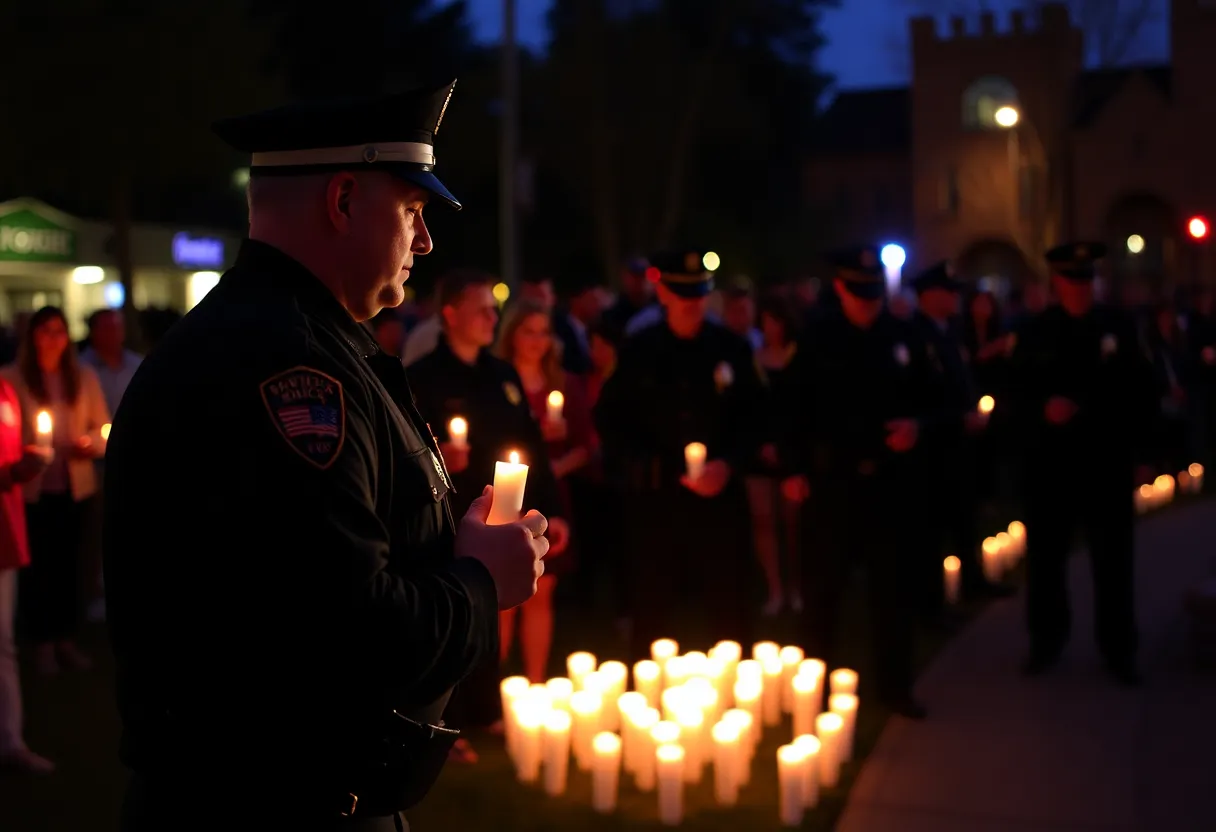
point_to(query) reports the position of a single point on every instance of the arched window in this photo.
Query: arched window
(983, 98)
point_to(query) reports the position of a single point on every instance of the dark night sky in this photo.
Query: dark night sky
(867, 39)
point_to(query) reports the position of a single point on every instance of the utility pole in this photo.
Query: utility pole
(509, 149)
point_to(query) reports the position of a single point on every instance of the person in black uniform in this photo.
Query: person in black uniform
(951, 509)
(684, 380)
(1085, 407)
(290, 602)
(460, 378)
(863, 396)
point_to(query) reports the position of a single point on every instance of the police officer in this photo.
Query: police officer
(863, 398)
(290, 602)
(1085, 408)
(679, 381)
(951, 504)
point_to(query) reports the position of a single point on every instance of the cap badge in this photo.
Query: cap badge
(443, 109)
(868, 260)
(692, 261)
(370, 154)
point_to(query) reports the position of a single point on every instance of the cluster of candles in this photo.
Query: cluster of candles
(44, 434)
(687, 714)
(1001, 553)
(1161, 491)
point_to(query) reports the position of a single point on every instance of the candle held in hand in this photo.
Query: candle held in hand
(44, 428)
(694, 459)
(458, 432)
(555, 405)
(105, 432)
(510, 478)
(986, 406)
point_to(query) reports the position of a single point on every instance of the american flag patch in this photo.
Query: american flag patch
(308, 410)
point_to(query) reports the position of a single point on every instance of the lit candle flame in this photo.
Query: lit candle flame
(43, 422)
(513, 457)
(987, 405)
(556, 400)
(105, 431)
(458, 426)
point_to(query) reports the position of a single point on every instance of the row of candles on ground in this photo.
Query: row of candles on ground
(686, 713)
(1161, 491)
(1001, 553)
(44, 434)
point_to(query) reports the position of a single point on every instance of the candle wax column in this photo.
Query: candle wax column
(560, 690)
(648, 681)
(578, 665)
(828, 727)
(670, 776)
(728, 762)
(554, 406)
(790, 762)
(458, 433)
(44, 433)
(810, 747)
(511, 689)
(531, 718)
(845, 704)
(771, 695)
(807, 694)
(585, 708)
(747, 742)
(694, 460)
(643, 764)
(951, 575)
(510, 480)
(557, 751)
(692, 724)
(790, 657)
(605, 772)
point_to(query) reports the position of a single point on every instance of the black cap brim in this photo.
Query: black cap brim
(864, 291)
(426, 180)
(691, 291)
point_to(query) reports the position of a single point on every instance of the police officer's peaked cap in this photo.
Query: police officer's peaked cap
(683, 271)
(1075, 261)
(938, 276)
(394, 133)
(860, 270)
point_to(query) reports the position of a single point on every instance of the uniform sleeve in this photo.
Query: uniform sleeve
(312, 471)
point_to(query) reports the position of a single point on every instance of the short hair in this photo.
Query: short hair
(454, 284)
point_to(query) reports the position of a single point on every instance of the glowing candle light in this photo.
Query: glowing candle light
(810, 746)
(44, 428)
(555, 403)
(845, 704)
(605, 772)
(510, 478)
(670, 767)
(790, 657)
(952, 567)
(585, 707)
(727, 762)
(843, 680)
(556, 751)
(648, 680)
(560, 691)
(458, 433)
(986, 406)
(694, 460)
(578, 665)
(790, 762)
(828, 726)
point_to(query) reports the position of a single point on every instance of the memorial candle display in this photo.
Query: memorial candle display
(555, 403)
(686, 717)
(458, 433)
(510, 478)
(694, 460)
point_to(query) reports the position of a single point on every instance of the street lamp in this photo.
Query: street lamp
(1197, 228)
(1007, 117)
(1135, 244)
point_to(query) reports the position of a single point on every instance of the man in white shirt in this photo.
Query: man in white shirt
(106, 353)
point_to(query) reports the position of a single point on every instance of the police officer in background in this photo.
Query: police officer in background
(291, 605)
(684, 380)
(1085, 409)
(863, 398)
(951, 508)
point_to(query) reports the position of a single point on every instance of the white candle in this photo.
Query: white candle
(557, 751)
(531, 718)
(578, 665)
(629, 706)
(1196, 472)
(673, 700)
(648, 680)
(616, 676)
(986, 405)
(605, 772)
(828, 727)
(845, 704)
(644, 760)
(717, 671)
(728, 761)
(675, 671)
(810, 746)
(694, 460)
(510, 478)
(702, 695)
(807, 695)
(560, 690)
(670, 775)
(458, 433)
(763, 649)
(992, 563)
(771, 705)
(843, 680)
(44, 430)
(813, 667)
(663, 649)
(748, 695)
(511, 689)
(585, 708)
(730, 652)
(748, 737)
(556, 403)
(692, 725)
(1017, 537)
(952, 577)
(750, 669)
(790, 761)
(790, 657)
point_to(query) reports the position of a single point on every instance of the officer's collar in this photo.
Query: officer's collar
(314, 297)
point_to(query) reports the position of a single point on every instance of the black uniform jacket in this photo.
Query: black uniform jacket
(278, 546)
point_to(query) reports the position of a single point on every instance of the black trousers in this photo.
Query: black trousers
(50, 586)
(682, 547)
(1102, 509)
(862, 523)
(159, 807)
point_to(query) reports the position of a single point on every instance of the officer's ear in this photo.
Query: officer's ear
(338, 196)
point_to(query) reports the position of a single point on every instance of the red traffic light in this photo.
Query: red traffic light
(1198, 228)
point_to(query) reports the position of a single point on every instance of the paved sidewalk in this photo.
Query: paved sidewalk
(1000, 753)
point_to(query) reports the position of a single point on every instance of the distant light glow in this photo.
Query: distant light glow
(653, 274)
(1135, 244)
(1197, 228)
(893, 256)
(1006, 117)
(86, 275)
(114, 295)
(502, 292)
(197, 252)
(711, 261)
(200, 284)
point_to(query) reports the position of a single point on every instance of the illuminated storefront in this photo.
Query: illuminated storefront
(49, 257)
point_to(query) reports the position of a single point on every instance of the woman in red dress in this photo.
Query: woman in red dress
(526, 341)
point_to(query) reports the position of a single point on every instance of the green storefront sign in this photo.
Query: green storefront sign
(28, 236)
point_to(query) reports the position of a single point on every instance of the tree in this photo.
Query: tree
(146, 79)
(662, 115)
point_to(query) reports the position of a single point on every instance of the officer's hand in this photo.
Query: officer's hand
(32, 463)
(974, 421)
(1059, 410)
(902, 435)
(713, 479)
(554, 430)
(513, 553)
(456, 458)
(796, 489)
(559, 536)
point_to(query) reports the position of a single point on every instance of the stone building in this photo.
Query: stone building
(1004, 144)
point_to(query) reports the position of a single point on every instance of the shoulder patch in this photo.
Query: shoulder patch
(308, 409)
